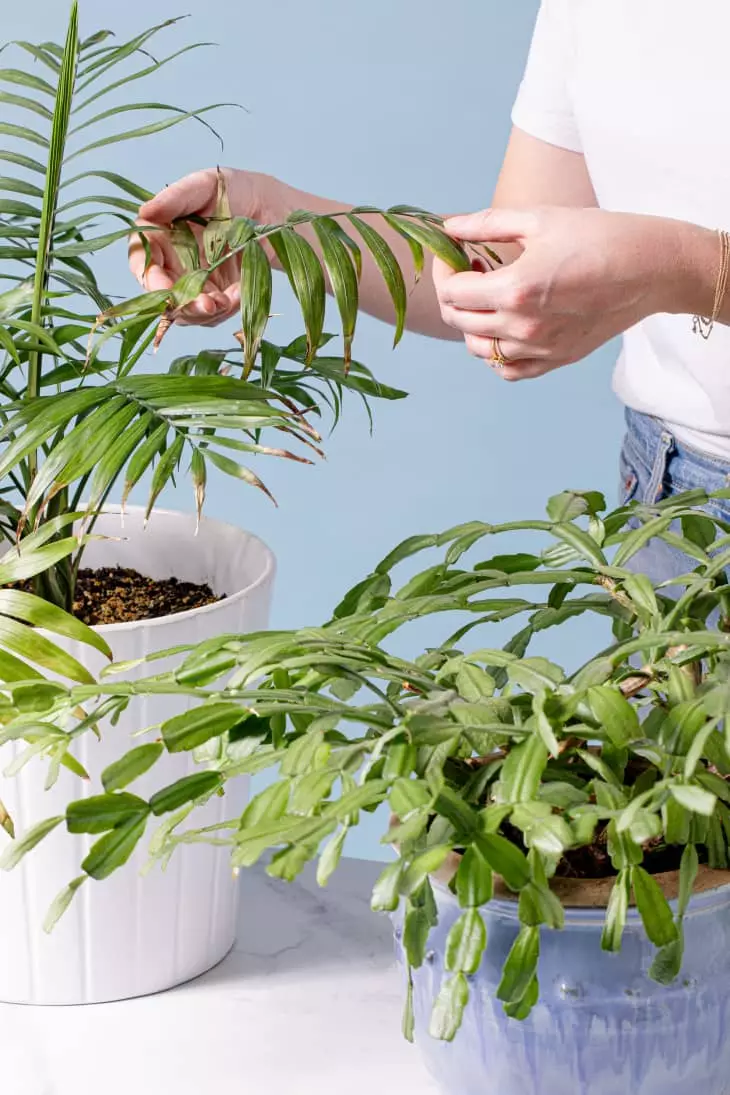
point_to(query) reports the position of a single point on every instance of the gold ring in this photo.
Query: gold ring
(498, 359)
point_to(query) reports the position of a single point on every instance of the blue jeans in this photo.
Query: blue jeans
(654, 465)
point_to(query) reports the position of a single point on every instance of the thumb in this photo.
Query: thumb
(183, 198)
(493, 226)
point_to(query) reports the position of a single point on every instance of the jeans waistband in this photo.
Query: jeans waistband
(649, 435)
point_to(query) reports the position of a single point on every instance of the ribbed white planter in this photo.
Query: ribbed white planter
(132, 935)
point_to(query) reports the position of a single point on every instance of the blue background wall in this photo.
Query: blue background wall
(373, 101)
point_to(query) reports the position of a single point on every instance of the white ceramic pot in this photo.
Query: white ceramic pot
(132, 935)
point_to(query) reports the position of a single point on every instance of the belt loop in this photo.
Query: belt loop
(665, 449)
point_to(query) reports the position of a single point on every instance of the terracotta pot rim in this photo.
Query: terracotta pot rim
(592, 893)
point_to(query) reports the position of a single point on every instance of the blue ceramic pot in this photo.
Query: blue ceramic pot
(602, 1027)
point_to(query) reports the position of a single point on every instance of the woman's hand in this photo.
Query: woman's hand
(583, 277)
(250, 195)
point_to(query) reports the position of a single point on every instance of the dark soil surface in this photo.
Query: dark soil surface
(594, 862)
(115, 595)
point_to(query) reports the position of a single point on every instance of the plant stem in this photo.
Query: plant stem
(57, 147)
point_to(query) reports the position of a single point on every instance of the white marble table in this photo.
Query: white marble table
(307, 1004)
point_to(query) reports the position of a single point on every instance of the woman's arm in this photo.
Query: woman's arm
(534, 173)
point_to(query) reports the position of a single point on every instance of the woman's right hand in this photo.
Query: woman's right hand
(260, 197)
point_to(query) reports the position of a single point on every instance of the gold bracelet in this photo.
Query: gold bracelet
(703, 325)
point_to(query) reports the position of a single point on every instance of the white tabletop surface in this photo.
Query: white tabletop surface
(308, 1002)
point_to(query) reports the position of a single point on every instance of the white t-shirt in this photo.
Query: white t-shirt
(642, 89)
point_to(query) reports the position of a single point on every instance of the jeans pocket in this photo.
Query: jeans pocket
(629, 477)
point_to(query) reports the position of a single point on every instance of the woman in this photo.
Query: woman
(609, 215)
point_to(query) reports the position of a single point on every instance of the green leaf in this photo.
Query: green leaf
(62, 902)
(303, 269)
(641, 592)
(635, 540)
(27, 79)
(137, 192)
(131, 766)
(700, 530)
(571, 504)
(465, 943)
(146, 130)
(688, 869)
(14, 852)
(539, 905)
(390, 271)
(694, 798)
(114, 849)
(616, 913)
(523, 770)
(269, 805)
(40, 613)
(474, 880)
(505, 859)
(416, 930)
(422, 866)
(415, 247)
(22, 133)
(256, 292)
(432, 238)
(473, 683)
(667, 963)
(99, 813)
(342, 275)
(230, 467)
(407, 795)
(386, 892)
(616, 715)
(520, 967)
(677, 821)
(193, 728)
(143, 457)
(188, 789)
(697, 749)
(330, 856)
(311, 791)
(522, 1009)
(653, 908)
(30, 643)
(581, 542)
(448, 1010)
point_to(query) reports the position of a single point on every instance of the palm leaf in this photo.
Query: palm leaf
(343, 277)
(303, 269)
(388, 266)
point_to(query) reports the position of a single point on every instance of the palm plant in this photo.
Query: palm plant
(80, 413)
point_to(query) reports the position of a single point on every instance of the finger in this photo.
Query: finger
(493, 226)
(524, 370)
(441, 274)
(140, 255)
(475, 292)
(156, 278)
(201, 310)
(233, 295)
(209, 309)
(486, 324)
(513, 350)
(188, 195)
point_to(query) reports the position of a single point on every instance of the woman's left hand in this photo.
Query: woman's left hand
(583, 277)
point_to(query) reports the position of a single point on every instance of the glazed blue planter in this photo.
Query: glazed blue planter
(602, 1027)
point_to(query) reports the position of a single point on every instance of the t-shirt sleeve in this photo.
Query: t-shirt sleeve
(543, 107)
